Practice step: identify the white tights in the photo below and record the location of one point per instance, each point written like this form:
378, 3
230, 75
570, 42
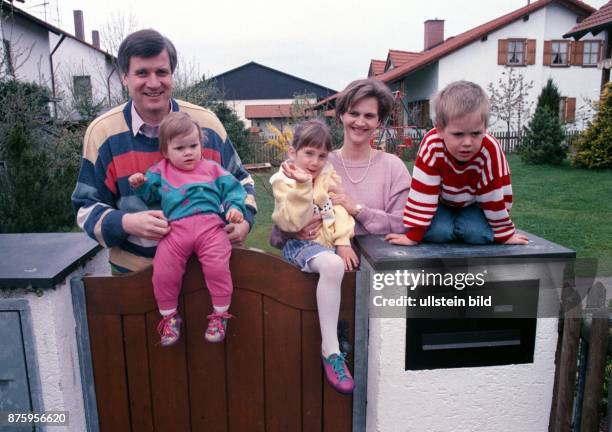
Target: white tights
331, 271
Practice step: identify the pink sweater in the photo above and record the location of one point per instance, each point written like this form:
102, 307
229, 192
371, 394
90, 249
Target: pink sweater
382, 193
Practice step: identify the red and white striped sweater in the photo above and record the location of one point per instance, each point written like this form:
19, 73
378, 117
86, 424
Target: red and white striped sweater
438, 177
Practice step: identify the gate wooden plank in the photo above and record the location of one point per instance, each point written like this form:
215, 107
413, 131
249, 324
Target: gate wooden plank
206, 367
283, 364
106, 340
168, 380
137, 363
312, 373
244, 350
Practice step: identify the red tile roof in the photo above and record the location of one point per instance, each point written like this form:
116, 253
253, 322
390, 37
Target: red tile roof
376, 67
594, 23
400, 58
463, 39
267, 111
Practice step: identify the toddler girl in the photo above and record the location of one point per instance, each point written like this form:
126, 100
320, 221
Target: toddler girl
302, 189
195, 195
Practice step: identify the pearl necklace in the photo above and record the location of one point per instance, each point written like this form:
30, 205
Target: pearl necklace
347, 173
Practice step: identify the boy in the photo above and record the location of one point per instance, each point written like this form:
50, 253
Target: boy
461, 187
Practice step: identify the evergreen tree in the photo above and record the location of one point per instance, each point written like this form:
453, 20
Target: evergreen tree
543, 142
550, 97
594, 145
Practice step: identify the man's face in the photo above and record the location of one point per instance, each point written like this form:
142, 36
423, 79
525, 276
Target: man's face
149, 83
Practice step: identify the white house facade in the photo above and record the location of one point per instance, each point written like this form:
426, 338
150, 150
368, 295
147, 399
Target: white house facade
530, 40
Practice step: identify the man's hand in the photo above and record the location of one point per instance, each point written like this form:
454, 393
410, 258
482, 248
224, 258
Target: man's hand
311, 230
234, 215
291, 170
348, 255
150, 224
517, 239
400, 239
237, 232
136, 180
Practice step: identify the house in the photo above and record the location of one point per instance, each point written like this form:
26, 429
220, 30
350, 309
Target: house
259, 94
77, 73
529, 39
599, 21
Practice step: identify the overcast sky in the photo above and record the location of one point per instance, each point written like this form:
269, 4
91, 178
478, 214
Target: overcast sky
327, 42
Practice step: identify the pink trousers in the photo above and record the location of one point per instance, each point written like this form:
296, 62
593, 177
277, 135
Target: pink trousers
204, 236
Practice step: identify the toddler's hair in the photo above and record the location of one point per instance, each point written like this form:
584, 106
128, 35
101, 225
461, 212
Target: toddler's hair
457, 99
312, 133
176, 124
361, 89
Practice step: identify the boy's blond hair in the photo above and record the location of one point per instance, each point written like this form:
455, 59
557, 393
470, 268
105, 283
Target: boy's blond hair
457, 99
174, 125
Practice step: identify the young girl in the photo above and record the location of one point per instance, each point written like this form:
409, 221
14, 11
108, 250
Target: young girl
301, 189
195, 195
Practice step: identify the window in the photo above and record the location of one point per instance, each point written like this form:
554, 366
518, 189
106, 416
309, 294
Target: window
559, 53
82, 88
590, 53
418, 113
8, 58
516, 52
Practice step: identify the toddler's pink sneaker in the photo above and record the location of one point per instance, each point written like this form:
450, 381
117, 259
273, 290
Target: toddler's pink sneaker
169, 329
217, 325
337, 373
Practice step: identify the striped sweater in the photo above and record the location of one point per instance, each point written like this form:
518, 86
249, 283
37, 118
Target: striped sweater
111, 153
438, 177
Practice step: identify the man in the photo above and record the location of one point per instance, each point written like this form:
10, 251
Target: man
124, 141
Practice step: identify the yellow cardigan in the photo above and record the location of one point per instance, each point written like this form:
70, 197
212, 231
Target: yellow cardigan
293, 207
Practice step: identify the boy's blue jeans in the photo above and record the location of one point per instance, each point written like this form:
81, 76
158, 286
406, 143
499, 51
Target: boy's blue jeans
467, 224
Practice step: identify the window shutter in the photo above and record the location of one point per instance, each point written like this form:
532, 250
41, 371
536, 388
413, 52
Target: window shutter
502, 51
577, 50
547, 53
530, 47
602, 52
570, 109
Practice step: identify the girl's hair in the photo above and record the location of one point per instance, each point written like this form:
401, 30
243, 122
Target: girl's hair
312, 133
361, 89
458, 99
176, 124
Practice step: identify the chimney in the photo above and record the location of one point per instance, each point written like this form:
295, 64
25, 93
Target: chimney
79, 27
95, 38
434, 33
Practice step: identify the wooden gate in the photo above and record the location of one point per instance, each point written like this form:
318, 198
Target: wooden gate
266, 376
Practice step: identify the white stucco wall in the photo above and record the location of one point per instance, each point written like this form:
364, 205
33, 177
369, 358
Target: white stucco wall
477, 62
53, 326
510, 398
30, 49
74, 58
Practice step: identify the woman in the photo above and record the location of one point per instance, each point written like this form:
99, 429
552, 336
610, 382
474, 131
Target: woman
375, 183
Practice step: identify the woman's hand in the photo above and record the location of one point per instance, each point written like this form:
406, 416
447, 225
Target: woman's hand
291, 170
348, 255
311, 230
345, 201
400, 239
517, 239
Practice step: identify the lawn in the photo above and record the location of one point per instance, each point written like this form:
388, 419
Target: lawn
572, 207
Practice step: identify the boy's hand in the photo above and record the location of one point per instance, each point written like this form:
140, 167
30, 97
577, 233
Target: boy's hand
400, 239
348, 255
234, 216
136, 180
291, 170
517, 239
